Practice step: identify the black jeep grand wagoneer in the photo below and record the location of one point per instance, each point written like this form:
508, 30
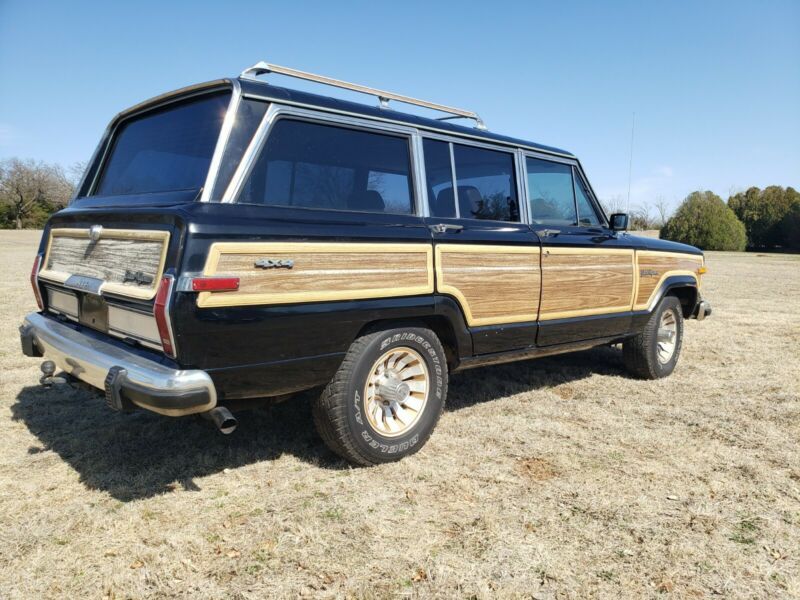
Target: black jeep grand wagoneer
237, 240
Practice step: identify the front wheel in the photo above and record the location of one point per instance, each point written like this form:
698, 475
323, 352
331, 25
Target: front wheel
653, 353
386, 397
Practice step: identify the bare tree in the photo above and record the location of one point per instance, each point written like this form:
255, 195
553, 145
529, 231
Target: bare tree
76, 171
641, 218
663, 210
31, 190
614, 204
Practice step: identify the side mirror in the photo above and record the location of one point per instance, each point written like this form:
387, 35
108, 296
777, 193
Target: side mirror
619, 222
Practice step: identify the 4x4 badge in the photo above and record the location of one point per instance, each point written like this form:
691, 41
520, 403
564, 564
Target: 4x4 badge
274, 263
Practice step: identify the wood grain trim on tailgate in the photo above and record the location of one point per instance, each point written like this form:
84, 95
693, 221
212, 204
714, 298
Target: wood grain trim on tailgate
321, 271
114, 260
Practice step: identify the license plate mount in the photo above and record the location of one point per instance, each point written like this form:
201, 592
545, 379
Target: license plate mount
94, 312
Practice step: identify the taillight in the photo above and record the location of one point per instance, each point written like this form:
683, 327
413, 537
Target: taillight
161, 313
215, 284
37, 263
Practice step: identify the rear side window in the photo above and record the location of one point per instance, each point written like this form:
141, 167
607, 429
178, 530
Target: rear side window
486, 187
485, 183
166, 150
550, 193
312, 165
439, 178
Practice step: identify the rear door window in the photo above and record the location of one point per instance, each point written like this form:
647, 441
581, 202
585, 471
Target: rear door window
439, 178
550, 193
164, 150
485, 183
312, 165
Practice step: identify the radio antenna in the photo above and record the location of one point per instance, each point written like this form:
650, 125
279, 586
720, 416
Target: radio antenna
630, 166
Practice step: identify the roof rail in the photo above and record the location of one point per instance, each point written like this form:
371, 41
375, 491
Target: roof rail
262, 68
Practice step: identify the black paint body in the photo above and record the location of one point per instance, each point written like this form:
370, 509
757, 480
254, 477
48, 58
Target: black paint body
254, 351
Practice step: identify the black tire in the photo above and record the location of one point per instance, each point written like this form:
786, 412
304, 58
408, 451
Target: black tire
340, 412
640, 353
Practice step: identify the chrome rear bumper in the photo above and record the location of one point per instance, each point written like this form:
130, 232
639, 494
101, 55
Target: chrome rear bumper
123, 375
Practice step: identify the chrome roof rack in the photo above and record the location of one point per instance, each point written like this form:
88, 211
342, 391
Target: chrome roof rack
262, 68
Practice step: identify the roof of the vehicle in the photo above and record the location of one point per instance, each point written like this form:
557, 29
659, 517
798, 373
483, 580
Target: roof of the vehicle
272, 92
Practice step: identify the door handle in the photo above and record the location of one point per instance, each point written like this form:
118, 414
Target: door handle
547, 232
445, 227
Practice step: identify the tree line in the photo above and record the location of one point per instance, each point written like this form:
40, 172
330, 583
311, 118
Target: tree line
30, 191
767, 219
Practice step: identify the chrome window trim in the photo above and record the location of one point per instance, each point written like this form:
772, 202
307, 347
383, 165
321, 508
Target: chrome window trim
277, 111
143, 107
543, 156
222, 141
423, 207
427, 128
454, 178
522, 187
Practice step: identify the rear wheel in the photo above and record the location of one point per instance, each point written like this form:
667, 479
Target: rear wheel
386, 397
654, 352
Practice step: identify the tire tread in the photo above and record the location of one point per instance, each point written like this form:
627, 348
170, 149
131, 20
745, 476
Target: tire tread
330, 409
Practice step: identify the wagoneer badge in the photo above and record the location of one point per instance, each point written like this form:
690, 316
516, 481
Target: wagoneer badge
137, 277
274, 263
648, 273
95, 231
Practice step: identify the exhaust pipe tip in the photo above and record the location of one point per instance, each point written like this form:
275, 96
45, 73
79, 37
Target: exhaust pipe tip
223, 419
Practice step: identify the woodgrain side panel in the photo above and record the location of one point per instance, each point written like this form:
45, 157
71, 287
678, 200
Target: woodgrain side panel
493, 284
320, 272
71, 252
586, 281
654, 267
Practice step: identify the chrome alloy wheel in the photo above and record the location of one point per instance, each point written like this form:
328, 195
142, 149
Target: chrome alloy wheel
667, 336
397, 391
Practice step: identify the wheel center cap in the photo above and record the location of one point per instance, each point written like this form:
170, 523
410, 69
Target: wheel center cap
391, 389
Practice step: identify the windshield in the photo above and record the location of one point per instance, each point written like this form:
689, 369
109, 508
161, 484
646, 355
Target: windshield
164, 150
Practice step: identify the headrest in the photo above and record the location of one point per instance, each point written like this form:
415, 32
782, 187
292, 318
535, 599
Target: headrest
367, 200
469, 200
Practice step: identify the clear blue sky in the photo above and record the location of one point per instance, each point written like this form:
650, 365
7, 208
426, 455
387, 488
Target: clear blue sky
715, 85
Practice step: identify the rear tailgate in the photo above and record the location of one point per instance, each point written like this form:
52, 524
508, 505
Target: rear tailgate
102, 269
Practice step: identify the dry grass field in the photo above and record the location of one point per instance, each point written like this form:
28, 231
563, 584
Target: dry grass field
556, 478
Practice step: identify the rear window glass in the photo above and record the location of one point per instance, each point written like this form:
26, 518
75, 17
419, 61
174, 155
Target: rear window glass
165, 150
312, 165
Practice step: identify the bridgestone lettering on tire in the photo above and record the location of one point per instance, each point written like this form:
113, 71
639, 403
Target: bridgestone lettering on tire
386, 398
646, 355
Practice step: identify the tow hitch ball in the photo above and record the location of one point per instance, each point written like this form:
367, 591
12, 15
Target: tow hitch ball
49, 368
